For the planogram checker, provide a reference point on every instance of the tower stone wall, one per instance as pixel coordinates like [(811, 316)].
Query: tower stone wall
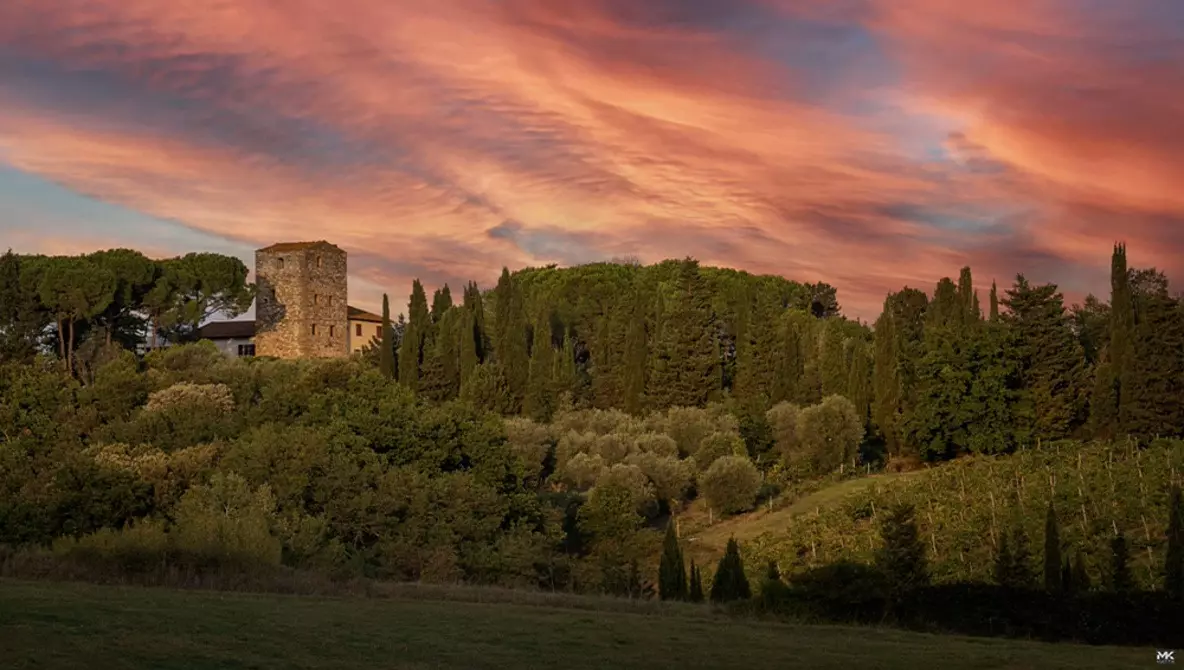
[(300, 305)]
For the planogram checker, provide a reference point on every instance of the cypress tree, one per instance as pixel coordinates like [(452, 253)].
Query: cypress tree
[(1049, 359), (685, 366), (441, 303), (1052, 552), (834, 359), (859, 381), (791, 359), (467, 344), (1121, 347), (510, 340), (899, 341), (1066, 583), (1120, 569), (757, 351), (635, 354), (994, 316), (386, 357), (901, 555), (475, 304), (1022, 575), (1081, 582), (672, 574), (418, 327), (730, 583), (1173, 581), (1154, 379), (540, 391), (695, 594), (1004, 562)]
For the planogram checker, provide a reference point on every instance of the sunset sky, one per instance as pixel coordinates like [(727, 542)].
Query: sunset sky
[(866, 143)]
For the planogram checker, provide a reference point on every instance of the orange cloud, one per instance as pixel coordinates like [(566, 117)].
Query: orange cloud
[(445, 139)]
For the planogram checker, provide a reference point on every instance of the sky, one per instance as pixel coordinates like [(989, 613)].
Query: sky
[(870, 144)]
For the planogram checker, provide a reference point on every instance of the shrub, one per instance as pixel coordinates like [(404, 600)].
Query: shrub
[(830, 432), (717, 445), (730, 484), (227, 523)]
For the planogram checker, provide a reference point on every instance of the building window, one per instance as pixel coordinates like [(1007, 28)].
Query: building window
[(320, 262), (378, 331), (280, 262), (330, 298), (314, 329), (358, 329), (246, 350), (316, 299), (331, 331)]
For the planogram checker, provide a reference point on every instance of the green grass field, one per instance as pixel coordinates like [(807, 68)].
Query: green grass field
[(48, 625)]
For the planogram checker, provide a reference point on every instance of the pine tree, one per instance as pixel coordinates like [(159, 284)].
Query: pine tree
[(1173, 581), (386, 360), (672, 574), (730, 583), (1120, 569), (1052, 552), (685, 366), (901, 555), (695, 593), (418, 327)]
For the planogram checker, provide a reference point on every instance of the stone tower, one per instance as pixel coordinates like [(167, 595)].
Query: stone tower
[(300, 306)]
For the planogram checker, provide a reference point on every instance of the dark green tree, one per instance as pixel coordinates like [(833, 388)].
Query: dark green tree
[(1107, 404), (1153, 380), (1173, 578), (540, 388), (899, 348), (386, 352), (22, 319), (1052, 552), (685, 365), (1081, 582), (1049, 360), (901, 555), (833, 366), (695, 593), (730, 583), (411, 352), (672, 572), (773, 573), (1004, 562), (441, 303), (1120, 568), (994, 304), (511, 338)]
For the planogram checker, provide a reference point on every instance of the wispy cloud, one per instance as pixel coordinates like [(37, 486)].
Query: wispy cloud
[(868, 143)]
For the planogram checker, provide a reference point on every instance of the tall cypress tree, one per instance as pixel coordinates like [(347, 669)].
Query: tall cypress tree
[(899, 337), (790, 359), (540, 388), (441, 303), (834, 370), (510, 340), (757, 351), (1049, 359), (994, 315), (1153, 380), (1111, 405), (386, 356), (1120, 564), (636, 351), (859, 381), (418, 328), (1173, 578), (685, 366), (672, 573), (1052, 552), (695, 593), (1081, 582), (729, 582), (1004, 562)]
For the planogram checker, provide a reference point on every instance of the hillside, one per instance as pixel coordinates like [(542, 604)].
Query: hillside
[(963, 508), (71, 626)]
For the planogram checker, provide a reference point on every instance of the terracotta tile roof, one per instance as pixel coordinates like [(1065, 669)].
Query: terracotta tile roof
[(226, 330), (356, 314), (297, 246)]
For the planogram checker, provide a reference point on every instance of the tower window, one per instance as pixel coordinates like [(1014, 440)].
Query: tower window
[(378, 331), (280, 262), (320, 261), (332, 330), (316, 299), (314, 329), (358, 329)]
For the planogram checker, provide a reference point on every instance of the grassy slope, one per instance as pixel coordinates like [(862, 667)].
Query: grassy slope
[(55, 625), (705, 543)]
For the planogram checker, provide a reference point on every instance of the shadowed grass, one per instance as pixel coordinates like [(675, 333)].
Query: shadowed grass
[(68, 625)]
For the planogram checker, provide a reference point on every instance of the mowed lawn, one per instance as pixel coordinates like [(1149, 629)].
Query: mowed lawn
[(48, 625)]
